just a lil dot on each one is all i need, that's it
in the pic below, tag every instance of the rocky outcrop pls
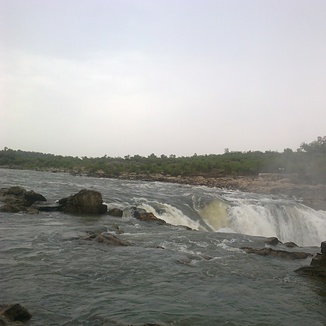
(84, 202)
(277, 253)
(317, 268)
(142, 215)
(18, 199)
(13, 314)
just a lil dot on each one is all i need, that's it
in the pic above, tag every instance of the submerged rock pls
(277, 253)
(84, 202)
(106, 238)
(11, 314)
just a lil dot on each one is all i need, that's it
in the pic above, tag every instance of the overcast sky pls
(118, 77)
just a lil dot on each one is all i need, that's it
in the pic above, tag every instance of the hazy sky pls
(118, 77)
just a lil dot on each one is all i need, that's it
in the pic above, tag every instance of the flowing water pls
(170, 275)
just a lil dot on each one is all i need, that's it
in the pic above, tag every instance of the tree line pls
(308, 162)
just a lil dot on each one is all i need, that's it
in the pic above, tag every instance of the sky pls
(136, 77)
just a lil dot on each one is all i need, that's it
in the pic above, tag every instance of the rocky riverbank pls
(310, 195)
(287, 185)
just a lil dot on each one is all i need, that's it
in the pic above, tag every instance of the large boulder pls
(317, 268)
(17, 199)
(84, 202)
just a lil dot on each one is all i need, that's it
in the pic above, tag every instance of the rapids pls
(170, 275)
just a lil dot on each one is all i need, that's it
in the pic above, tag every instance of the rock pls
(277, 253)
(32, 197)
(115, 212)
(47, 207)
(290, 244)
(16, 191)
(142, 215)
(323, 247)
(106, 238)
(17, 199)
(318, 260)
(273, 241)
(84, 202)
(15, 312)
(317, 268)
(317, 272)
(111, 239)
(10, 208)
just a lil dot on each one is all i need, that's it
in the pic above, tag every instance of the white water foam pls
(172, 215)
(288, 221)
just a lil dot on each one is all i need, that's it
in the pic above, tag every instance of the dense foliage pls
(309, 162)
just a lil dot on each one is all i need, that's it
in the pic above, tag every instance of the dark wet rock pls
(84, 202)
(106, 238)
(290, 244)
(14, 313)
(317, 268)
(323, 247)
(142, 215)
(277, 253)
(273, 241)
(31, 197)
(318, 260)
(117, 212)
(17, 199)
(317, 272)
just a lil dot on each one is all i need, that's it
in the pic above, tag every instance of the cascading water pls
(288, 221)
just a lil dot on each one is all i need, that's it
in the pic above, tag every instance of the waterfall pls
(286, 220)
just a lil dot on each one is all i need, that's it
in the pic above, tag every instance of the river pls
(170, 275)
